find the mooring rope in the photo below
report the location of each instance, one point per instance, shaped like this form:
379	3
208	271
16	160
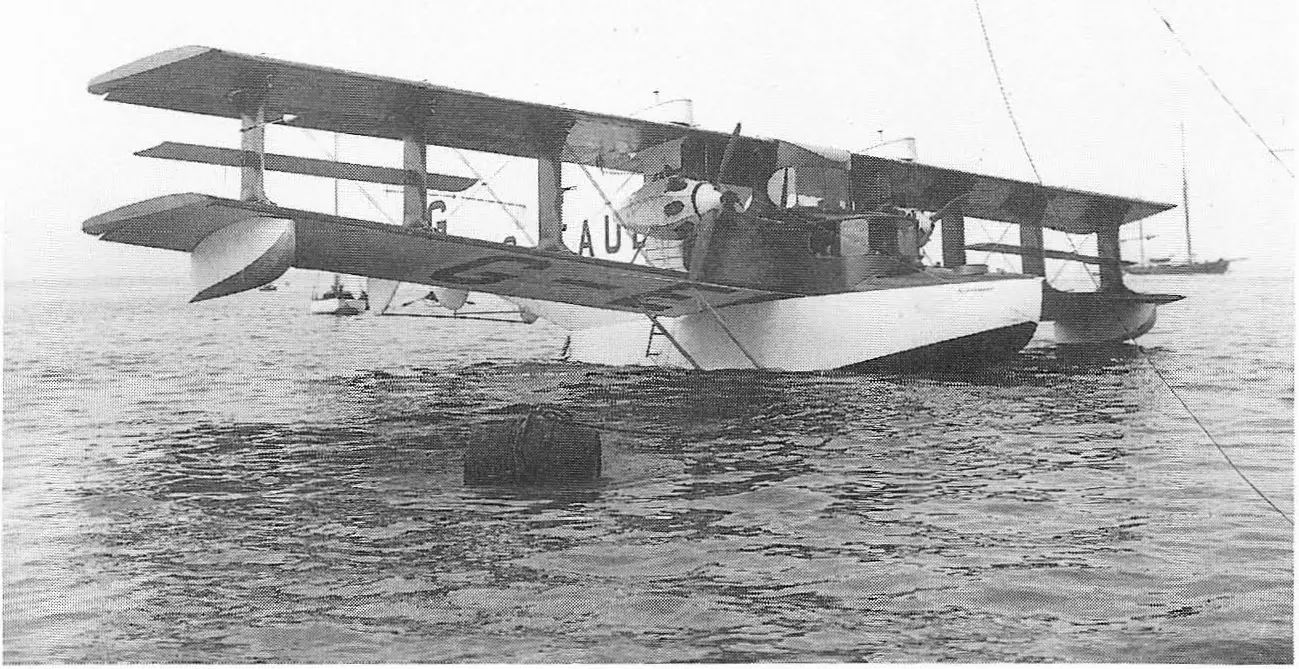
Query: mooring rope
1005	97
1010	111
1208	434
1180	400
1216	87
1096	286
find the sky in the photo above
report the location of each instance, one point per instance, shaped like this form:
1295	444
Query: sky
1098	87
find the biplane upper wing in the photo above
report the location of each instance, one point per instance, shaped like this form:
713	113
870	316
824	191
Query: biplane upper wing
992	198
200	79
364	248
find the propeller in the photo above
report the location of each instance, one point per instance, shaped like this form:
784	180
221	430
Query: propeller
728	156
704	231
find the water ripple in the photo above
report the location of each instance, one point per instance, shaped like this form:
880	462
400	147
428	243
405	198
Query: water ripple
239	482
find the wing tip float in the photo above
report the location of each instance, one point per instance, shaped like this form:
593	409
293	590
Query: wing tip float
242	256
231	249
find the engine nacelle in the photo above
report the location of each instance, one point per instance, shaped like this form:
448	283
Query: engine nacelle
669	208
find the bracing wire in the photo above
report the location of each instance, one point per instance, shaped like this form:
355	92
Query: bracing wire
334	157
462	197
517	223
607	202
1186	50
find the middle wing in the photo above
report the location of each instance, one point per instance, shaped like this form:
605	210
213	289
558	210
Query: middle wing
365	248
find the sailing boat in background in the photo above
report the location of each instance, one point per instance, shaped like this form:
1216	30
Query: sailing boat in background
1190	266
338	300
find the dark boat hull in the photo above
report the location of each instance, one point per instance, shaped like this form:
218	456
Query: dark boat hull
963	354
1214	267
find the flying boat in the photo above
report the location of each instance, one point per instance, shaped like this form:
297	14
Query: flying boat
750	252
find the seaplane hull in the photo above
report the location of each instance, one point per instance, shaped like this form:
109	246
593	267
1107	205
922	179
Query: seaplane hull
943	325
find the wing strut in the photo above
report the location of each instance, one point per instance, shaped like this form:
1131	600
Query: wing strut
953	235
414	193
664	331
414	203
251	104
726	328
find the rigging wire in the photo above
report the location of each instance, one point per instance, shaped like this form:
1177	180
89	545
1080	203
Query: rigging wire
517	223
477	184
332	156
1144	353
1186	50
603	196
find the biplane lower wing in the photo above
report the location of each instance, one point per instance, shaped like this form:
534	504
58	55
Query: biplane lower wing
203	225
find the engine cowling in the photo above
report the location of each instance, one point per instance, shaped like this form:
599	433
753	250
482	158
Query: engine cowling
668	208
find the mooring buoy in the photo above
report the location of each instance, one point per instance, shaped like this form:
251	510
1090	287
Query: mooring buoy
542	447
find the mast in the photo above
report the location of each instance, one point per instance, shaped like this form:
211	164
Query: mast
338	280
1186	202
1141	239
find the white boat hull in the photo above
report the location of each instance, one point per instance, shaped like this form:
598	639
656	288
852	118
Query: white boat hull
816	333
337	307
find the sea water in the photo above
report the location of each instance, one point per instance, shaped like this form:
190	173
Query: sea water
241	481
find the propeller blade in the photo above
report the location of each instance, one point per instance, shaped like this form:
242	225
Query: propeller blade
727	156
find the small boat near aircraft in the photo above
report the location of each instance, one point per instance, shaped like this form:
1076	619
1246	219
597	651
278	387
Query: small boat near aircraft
1167	265
751	252
339	301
